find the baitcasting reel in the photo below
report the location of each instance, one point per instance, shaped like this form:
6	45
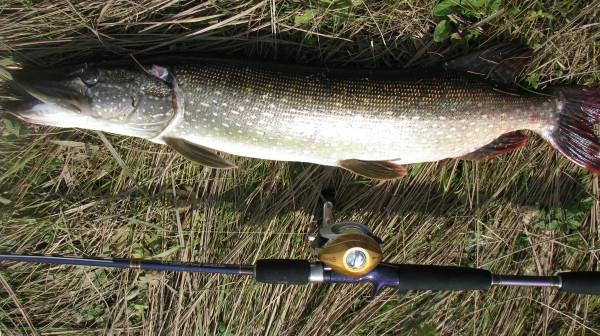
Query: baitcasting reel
348	248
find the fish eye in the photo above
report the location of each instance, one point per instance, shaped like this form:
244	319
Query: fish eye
90	76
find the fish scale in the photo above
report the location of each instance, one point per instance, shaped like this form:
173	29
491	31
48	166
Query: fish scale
324	119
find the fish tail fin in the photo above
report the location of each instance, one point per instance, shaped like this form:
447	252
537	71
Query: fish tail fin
573	132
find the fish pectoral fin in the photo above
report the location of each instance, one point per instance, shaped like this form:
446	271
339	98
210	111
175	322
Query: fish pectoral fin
501	63
504	144
381	170
198	154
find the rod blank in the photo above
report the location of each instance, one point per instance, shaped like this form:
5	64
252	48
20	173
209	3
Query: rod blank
133	263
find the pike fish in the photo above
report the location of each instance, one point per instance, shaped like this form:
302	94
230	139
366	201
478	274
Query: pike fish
369	122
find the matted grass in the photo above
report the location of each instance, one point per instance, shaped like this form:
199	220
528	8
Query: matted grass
64	192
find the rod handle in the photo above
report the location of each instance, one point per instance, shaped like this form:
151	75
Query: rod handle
433	277
580	282
282	271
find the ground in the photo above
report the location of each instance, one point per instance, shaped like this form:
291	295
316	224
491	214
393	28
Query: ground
77	192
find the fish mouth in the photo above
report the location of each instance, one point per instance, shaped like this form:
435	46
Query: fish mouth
36	112
63	93
50	102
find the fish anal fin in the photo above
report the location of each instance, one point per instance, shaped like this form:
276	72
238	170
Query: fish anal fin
198	154
381	170
501	63
505	143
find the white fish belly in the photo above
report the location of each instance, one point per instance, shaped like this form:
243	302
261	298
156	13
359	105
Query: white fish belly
327	141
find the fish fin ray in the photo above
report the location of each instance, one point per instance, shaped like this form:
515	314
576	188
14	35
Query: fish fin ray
198	154
573	134
502	63
504	144
381	170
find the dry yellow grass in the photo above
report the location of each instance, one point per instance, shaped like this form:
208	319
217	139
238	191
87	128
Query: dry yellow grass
64	192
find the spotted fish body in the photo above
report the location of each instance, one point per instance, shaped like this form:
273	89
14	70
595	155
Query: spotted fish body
369	122
327	119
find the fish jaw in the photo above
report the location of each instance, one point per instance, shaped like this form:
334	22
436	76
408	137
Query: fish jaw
56	116
40	113
123	101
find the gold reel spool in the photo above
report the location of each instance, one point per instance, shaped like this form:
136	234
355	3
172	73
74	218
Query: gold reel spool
352	253
348	248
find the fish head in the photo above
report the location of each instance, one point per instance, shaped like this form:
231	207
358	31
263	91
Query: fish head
129	101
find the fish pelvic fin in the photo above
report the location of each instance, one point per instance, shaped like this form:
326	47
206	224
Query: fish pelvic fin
502	63
198	154
504	144
573	132
380	170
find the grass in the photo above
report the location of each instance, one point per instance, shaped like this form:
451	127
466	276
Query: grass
62	191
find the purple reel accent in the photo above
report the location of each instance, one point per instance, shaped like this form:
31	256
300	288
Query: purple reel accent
384	275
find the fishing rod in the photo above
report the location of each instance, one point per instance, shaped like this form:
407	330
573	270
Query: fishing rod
348	253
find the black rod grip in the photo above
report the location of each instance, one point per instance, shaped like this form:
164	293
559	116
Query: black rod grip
580	282
282	271
432	277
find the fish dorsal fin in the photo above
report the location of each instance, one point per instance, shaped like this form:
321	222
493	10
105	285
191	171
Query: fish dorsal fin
381	170
502	63
505	143
198	154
